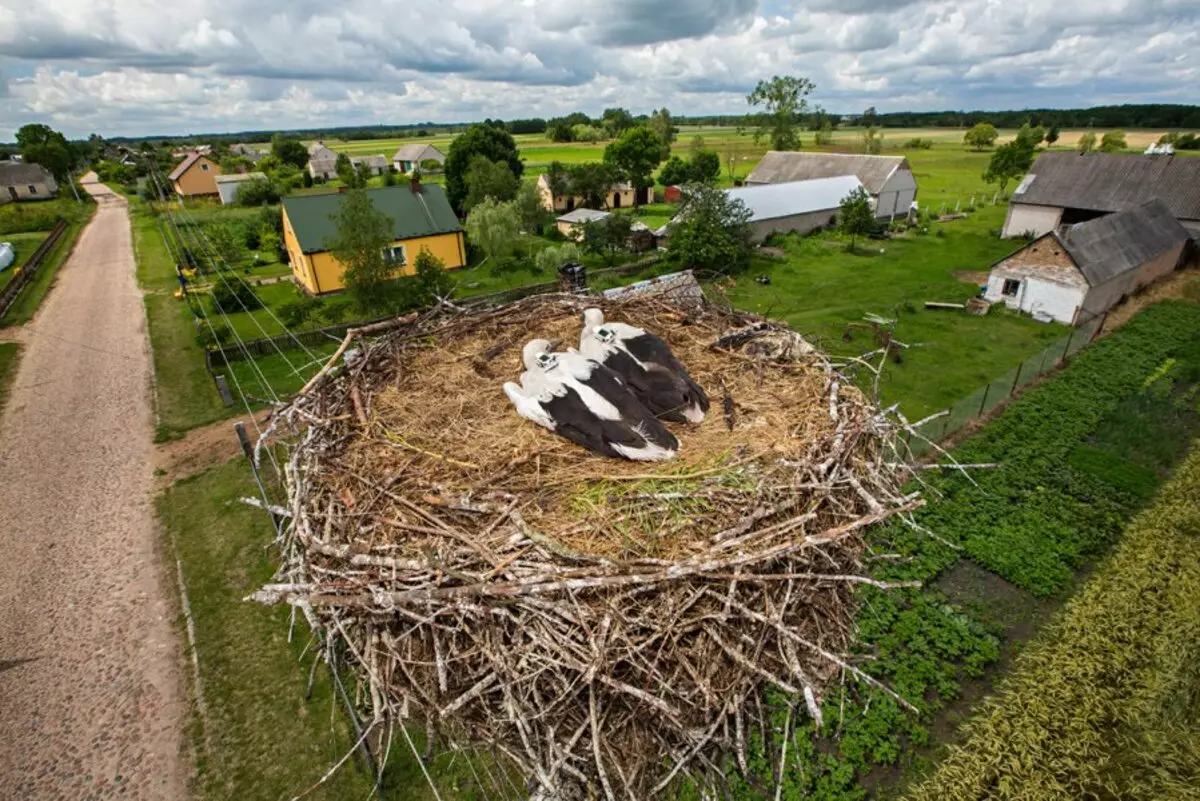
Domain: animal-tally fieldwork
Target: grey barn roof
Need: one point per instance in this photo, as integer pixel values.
(778, 167)
(1113, 182)
(18, 172)
(1108, 246)
(776, 201)
(583, 216)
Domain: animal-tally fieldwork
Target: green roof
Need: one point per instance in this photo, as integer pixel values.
(413, 215)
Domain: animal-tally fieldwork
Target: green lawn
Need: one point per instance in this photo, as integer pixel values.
(34, 292)
(821, 289)
(10, 354)
(264, 737)
(24, 246)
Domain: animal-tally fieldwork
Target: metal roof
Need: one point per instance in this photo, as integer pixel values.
(1113, 182)
(1108, 246)
(13, 173)
(772, 201)
(413, 214)
(378, 161)
(583, 216)
(778, 167)
(239, 177)
(418, 152)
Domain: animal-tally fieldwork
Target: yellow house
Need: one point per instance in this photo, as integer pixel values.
(195, 176)
(422, 219)
(619, 196)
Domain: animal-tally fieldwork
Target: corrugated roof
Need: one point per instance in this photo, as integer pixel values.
(778, 167)
(188, 161)
(417, 152)
(378, 161)
(1108, 246)
(772, 201)
(582, 216)
(19, 172)
(1113, 182)
(239, 177)
(413, 214)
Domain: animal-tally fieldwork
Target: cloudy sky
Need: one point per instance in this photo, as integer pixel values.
(138, 67)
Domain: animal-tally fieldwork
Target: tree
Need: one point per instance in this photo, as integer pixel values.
(478, 140)
(362, 173)
(559, 178)
(433, 282)
(1010, 161)
(1087, 142)
(855, 216)
(230, 294)
(1112, 141)
(362, 234)
(869, 118)
(824, 134)
(586, 133)
(607, 237)
(227, 241)
(289, 151)
(660, 122)
(872, 141)
(558, 131)
(616, 121)
(41, 144)
(345, 170)
(555, 256)
(783, 104)
(258, 192)
(636, 155)
(982, 135)
(592, 181)
(530, 211)
(712, 231)
(493, 228)
(1030, 137)
(486, 178)
(705, 166)
(676, 171)
(1052, 135)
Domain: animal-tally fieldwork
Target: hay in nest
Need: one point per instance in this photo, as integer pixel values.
(602, 623)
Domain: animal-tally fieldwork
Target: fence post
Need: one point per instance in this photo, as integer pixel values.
(1067, 349)
(983, 403)
(1016, 380)
(223, 388)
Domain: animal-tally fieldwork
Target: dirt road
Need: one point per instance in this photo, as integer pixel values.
(91, 690)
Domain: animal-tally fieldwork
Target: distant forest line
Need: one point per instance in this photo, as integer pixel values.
(1153, 116)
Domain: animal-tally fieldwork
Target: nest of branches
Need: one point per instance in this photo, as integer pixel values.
(606, 625)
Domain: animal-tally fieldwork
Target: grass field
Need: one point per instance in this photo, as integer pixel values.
(31, 297)
(24, 246)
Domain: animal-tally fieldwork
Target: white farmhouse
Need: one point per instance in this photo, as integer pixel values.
(1077, 274)
(888, 179)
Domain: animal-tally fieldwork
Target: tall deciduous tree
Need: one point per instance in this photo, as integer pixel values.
(712, 231)
(636, 155)
(855, 216)
(41, 144)
(616, 121)
(1009, 162)
(607, 237)
(486, 178)
(493, 228)
(362, 234)
(872, 141)
(1052, 135)
(1031, 136)
(1112, 141)
(289, 151)
(981, 135)
(432, 280)
(1087, 142)
(478, 140)
(530, 211)
(661, 123)
(782, 100)
(592, 181)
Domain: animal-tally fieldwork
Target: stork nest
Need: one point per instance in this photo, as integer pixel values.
(604, 624)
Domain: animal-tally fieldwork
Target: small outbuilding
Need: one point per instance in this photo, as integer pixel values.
(1080, 273)
(411, 157)
(571, 224)
(20, 181)
(888, 179)
(377, 164)
(228, 186)
(798, 206)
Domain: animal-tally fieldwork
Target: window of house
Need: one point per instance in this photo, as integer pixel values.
(1011, 287)
(395, 255)
(204, 167)
(32, 189)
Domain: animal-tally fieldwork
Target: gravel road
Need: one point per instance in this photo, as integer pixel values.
(91, 689)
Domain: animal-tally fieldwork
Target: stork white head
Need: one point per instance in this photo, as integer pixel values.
(537, 354)
(592, 319)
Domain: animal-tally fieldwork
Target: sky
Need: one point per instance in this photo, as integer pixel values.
(142, 67)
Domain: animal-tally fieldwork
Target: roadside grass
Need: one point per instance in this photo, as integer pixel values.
(41, 215)
(821, 290)
(31, 297)
(24, 246)
(10, 356)
(276, 375)
(264, 736)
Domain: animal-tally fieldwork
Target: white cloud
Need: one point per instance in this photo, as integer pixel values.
(147, 66)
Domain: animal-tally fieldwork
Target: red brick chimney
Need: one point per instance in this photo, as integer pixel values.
(414, 183)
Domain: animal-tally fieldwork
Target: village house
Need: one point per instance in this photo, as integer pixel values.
(1074, 274)
(246, 152)
(571, 224)
(228, 186)
(378, 164)
(1062, 189)
(888, 179)
(322, 162)
(620, 195)
(794, 207)
(411, 157)
(20, 181)
(195, 176)
(422, 219)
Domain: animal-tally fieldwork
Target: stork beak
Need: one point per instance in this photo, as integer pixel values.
(555, 343)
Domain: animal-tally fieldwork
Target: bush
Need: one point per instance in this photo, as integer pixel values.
(251, 236)
(230, 295)
(259, 192)
(271, 217)
(211, 336)
(333, 312)
(297, 312)
(918, 143)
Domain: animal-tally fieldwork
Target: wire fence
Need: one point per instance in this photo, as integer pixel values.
(987, 398)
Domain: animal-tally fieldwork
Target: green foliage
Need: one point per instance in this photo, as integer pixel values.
(230, 295)
(478, 140)
(1009, 162)
(981, 135)
(213, 335)
(702, 166)
(616, 121)
(432, 280)
(1030, 137)
(333, 312)
(551, 258)
(259, 192)
(872, 141)
(592, 181)
(296, 313)
(636, 155)
(489, 179)
(362, 234)
(855, 216)
(607, 237)
(530, 211)
(1112, 142)
(917, 143)
(1087, 142)
(660, 122)
(824, 132)
(493, 228)
(227, 240)
(783, 103)
(272, 217)
(712, 231)
(675, 171)
(41, 144)
(1052, 135)
(289, 151)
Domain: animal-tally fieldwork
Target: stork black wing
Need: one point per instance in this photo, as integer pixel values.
(612, 387)
(573, 420)
(650, 350)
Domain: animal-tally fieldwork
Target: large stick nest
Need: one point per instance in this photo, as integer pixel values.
(604, 624)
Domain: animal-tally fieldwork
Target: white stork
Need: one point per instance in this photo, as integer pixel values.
(588, 404)
(648, 366)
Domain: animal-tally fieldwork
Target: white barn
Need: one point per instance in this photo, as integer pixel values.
(888, 179)
(1088, 268)
(228, 186)
(796, 206)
